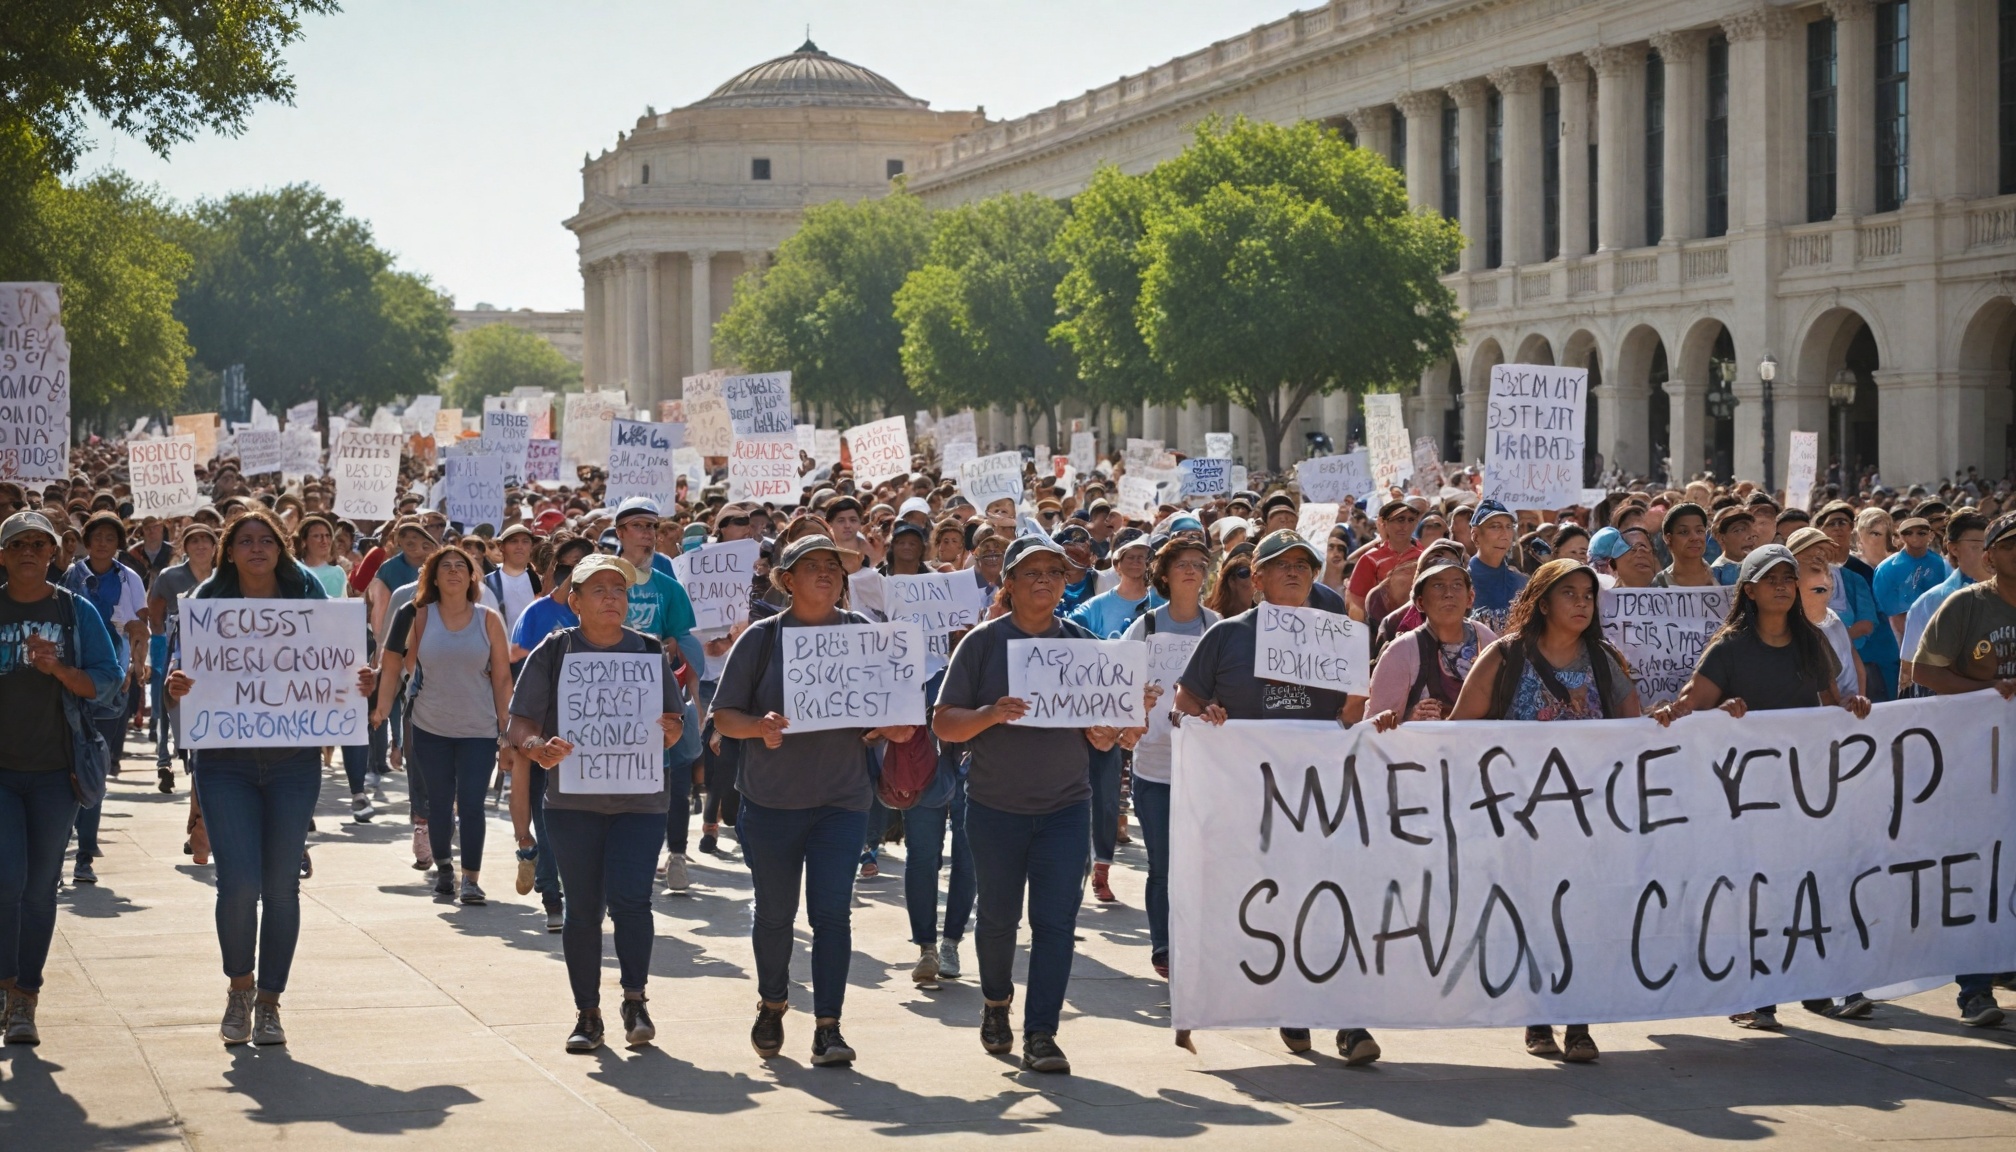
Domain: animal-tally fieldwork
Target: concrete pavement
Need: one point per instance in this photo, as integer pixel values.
(414, 1018)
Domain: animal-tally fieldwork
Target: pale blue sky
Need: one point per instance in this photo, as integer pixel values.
(456, 127)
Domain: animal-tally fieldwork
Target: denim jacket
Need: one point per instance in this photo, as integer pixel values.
(88, 646)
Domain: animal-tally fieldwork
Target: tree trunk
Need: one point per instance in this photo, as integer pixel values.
(1276, 418)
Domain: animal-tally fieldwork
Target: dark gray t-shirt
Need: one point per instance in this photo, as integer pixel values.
(1025, 771)
(171, 584)
(1221, 669)
(809, 769)
(533, 699)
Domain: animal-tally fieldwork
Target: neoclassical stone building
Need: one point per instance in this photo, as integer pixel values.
(690, 199)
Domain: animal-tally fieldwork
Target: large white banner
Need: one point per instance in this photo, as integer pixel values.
(365, 465)
(1386, 442)
(1344, 479)
(608, 710)
(1533, 435)
(1473, 874)
(878, 450)
(1071, 683)
(1802, 469)
(163, 474)
(854, 676)
(1661, 633)
(759, 405)
(273, 673)
(34, 384)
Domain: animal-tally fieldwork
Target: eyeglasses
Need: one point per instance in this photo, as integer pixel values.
(1191, 566)
(33, 544)
(734, 522)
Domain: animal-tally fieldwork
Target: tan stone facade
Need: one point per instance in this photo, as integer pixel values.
(560, 329)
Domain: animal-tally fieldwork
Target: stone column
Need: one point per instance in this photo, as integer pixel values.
(1854, 106)
(1191, 424)
(592, 319)
(1424, 135)
(1684, 190)
(1572, 73)
(1620, 73)
(1374, 126)
(616, 342)
(1765, 180)
(1687, 426)
(1525, 194)
(703, 309)
(1335, 420)
(651, 386)
(1468, 96)
(637, 316)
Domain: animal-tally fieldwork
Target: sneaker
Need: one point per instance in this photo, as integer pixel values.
(1579, 1046)
(1981, 1012)
(1856, 1007)
(528, 872)
(1356, 1046)
(996, 1034)
(829, 1048)
(266, 1027)
(237, 1025)
(1762, 1020)
(948, 959)
(17, 1017)
(925, 974)
(1540, 1041)
(587, 1034)
(444, 880)
(423, 849)
(361, 810)
(767, 1036)
(307, 865)
(1040, 1053)
(471, 894)
(166, 777)
(555, 921)
(84, 874)
(637, 1027)
(676, 879)
(1297, 1039)
(1100, 885)
(709, 843)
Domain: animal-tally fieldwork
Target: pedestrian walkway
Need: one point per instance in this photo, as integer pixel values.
(410, 1017)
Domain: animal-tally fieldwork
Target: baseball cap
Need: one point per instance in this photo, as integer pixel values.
(1762, 560)
(1608, 544)
(514, 530)
(1903, 526)
(1730, 515)
(21, 523)
(1437, 560)
(914, 504)
(1130, 538)
(804, 546)
(1806, 538)
(1487, 509)
(603, 562)
(550, 519)
(1023, 547)
(636, 506)
(1281, 542)
(2003, 525)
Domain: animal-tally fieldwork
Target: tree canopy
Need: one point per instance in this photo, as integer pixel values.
(496, 358)
(977, 316)
(824, 310)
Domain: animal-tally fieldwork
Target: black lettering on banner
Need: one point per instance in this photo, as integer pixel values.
(1312, 790)
(1947, 891)
(1807, 897)
(1911, 868)
(1707, 914)
(1348, 945)
(1897, 774)
(1855, 904)
(1394, 813)
(1835, 778)
(1492, 797)
(1569, 792)
(1731, 772)
(1637, 932)
(1757, 967)
(1431, 957)
(1646, 824)
(1483, 944)
(1995, 883)
(1610, 798)
(1280, 950)
(1559, 984)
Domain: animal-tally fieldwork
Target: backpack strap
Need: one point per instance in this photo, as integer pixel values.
(1511, 666)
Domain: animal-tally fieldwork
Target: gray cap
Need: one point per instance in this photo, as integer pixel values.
(1762, 560)
(804, 546)
(21, 523)
(1023, 547)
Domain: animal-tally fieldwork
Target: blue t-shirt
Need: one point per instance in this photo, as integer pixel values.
(396, 572)
(1726, 570)
(1108, 614)
(659, 607)
(1496, 588)
(1079, 593)
(663, 563)
(541, 619)
(1903, 578)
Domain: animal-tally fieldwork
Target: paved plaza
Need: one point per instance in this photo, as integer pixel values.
(412, 1018)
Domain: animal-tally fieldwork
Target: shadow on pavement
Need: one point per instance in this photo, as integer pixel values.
(284, 1091)
(40, 1116)
(650, 1075)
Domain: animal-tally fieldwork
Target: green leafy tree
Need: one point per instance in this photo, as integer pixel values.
(299, 293)
(824, 310)
(1100, 246)
(977, 316)
(496, 358)
(105, 242)
(1274, 263)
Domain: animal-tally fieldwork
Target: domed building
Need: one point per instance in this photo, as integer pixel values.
(690, 199)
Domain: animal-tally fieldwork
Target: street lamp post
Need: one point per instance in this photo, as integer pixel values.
(1767, 371)
(1841, 394)
(1722, 399)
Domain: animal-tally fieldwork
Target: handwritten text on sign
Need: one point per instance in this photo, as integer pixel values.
(1168, 655)
(472, 489)
(764, 468)
(853, 676)
(640, 461)
(1335, 479)
(1206, 475)
(990, 478)
(707, 425)
(879, 450)
(542, 460)
(506, 433)
(1386, 442)
(1313, 647)
(717, 578)
(273, 673)
(1490, 873)
(759, 405)
(940, 604)
(609, 707)
(1079, 683)
(1533, 435)
(164, 476)
(366, 468)
(34, 384)
(1661, 633)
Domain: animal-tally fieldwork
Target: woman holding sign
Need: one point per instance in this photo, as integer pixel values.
(1028, 808)
(257, 801)
(805, 800)
(605, 831)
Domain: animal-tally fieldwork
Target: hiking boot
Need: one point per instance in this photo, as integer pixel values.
(925, 974)
(237, 1025)
(1856, 1007)
(471, 894)
(1040, 1053)
(1981, 1011)
(1578, 1047)
(1100, 885)
(1540, 1041)
(1297, 1039)
(676, 877)
(767, 1036)
(84, 873)
(17, 1017)
(361, 810)
(1762, 1020)
(587, 1033)
(948, 959)
(829, 1048)
(165, 778)
(444, 880)
(528, 870)
(423, 850)
(710, 840)
(266, 1027)
(1356, 1046)
(997, 1036)
(637, 1026)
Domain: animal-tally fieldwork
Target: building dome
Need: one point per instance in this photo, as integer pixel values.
(809, 78)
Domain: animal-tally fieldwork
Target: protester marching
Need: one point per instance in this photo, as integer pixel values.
(1325, 705)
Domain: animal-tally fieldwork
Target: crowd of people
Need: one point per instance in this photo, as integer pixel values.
(1476, 612)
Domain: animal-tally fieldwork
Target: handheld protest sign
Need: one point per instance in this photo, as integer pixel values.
(853, 676)
(1313, 647)
(717, 579)
(1071, 683)
(1533, 436)
(273, 673)
(940, 604)
(609, 705)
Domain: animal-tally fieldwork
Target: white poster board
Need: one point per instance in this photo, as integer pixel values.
(954, 455)
(1314, 520)
(640, 461)
(163, 476)
(1206, 476)
(764, 469)
(1341, 479)
(542, 461)
(759, 404)
(707, 424)
(1084, 451)
(203, 426)
(826, 447)
(853, 676)
(472, 489)
(1427, 465)
(990, 478)
(940, 604)
(273, 673)
(506, 434)
(261, 450)
(1071, 683)
(878, 451)
(1168, 655)
(365, 466)
(1218, 444)
(1533, 428)
(1137, 498)
(1313, 647)
(1386, 443)
(584, 438)
(1661, 633)
(609, 706)
(717, 579)
(418, 418)
(34, 384)
(1802, 469)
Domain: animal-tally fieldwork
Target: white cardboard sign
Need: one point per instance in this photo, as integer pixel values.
(1313, 647)
(940, 604)
(759, 404)
(163, 476)
(878, 451)
(717, 578)
(990, 478)
(854, 676)
(365, 465)
(1341, 479)
(1386, 443)
(609, 706)
(273, 673)
(34, 384)
(764, 468)
(1069, 683)
(1533, 428)
(640, 461)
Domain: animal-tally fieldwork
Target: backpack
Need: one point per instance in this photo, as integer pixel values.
(908, 769)
(1428, 680)
(89, 757)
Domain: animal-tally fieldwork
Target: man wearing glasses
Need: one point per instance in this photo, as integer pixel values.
(1396, 545)
(1908, 572)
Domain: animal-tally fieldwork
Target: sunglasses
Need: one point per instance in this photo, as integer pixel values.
(735, 522)
(1241, 573)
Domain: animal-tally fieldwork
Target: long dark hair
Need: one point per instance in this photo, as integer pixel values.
(223, 584)
(1809, 644)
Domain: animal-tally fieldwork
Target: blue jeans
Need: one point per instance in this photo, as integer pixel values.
(1151, 805)
(458, 776)
(1045, 854)
(606, 863)
(356, 761)
(924, 848)
(680, 814)
(157, 693)
(821, 845)
(256, 806)
(36, 811)
(1105, 803)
